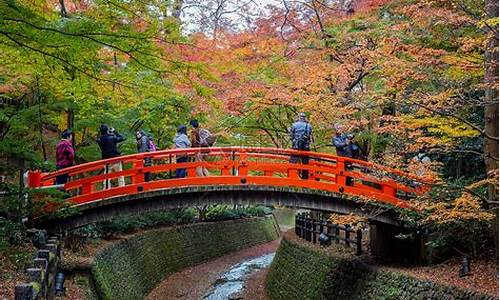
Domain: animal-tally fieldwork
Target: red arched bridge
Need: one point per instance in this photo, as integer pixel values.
(237, 175)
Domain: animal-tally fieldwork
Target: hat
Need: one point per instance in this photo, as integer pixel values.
(66, 133)
(182, 129)
(104, 129)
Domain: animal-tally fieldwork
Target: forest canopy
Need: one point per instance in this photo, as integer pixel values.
(402, 76)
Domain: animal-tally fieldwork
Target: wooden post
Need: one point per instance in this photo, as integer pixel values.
(170, 163)
(337, 233)
(314, 227)
(297, 231)
(340, 177)
(303, 226)
(234, 165)
(329, 229)
(308, 229)
(347, 235)
(359, 248)
(139, 174)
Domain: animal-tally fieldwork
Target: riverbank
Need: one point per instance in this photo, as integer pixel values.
(194, 282)
(131, 267)
(303, 270)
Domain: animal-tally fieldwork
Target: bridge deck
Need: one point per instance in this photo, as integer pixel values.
(236, 166)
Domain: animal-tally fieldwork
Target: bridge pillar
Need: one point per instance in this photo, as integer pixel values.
(390, 243)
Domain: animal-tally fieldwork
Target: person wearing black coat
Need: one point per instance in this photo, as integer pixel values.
(108, 141)
(143, 146)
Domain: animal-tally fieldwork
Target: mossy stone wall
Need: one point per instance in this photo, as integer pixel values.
(301, 272)
(131, 268)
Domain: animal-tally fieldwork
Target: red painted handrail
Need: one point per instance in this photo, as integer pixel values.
(237, 166)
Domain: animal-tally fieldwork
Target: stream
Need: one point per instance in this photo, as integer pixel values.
(233, 281)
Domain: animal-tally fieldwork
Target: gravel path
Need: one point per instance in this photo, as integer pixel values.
(196, 281)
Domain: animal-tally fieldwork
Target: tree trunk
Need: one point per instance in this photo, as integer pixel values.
(491, 93)
(40, 120)
(64, 13)
(491, 108)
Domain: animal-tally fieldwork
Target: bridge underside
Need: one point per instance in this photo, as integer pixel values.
(205, 195)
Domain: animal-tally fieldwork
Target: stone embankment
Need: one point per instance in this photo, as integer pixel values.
(305, 271)
(132, 267)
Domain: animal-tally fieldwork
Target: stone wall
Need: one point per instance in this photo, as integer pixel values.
(131, 268)
(42, 272)
(303, 272)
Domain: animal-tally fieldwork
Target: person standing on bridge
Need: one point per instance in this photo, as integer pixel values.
(300, 135)
(197, 141)
(143, 145)
(345, 147)
(181, 141)
(108, 140)
(342, 142)
(65, 155)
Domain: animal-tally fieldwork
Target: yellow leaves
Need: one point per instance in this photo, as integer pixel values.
(464, 66)
(355, 221)
(466, 207)
(491, 22)
(446, 129)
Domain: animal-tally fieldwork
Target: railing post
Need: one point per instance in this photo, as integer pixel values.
(297, 225)
(329, 229)
(87, 188)
(340, 177)
(170, 163)
(359, 248)
(242, 166)
(347, 229)
(303, 226)
(308, 229)
(389, 190)
(314, 226)
(138, 177)
(34, 179)
(293, 173)
(191, 171)
(234, 165)
(337, 233)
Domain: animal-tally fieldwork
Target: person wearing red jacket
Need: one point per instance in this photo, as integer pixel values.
(65, 155)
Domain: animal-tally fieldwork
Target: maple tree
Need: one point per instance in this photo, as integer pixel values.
(401, 75)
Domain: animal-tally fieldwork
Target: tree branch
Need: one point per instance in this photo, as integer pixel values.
(470, 124)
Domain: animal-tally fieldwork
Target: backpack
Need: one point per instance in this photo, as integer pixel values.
(207, 139)
(151, 145)
(302, 142)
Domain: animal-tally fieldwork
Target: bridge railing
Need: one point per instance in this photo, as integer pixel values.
(234, 166)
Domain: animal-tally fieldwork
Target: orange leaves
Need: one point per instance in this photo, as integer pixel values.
(355, 221)
(466, 207)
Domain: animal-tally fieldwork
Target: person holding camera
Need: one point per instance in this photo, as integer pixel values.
(345, 147)
(342, 142)
(108, 142)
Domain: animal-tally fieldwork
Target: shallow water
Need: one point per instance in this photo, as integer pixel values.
(233, 280)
